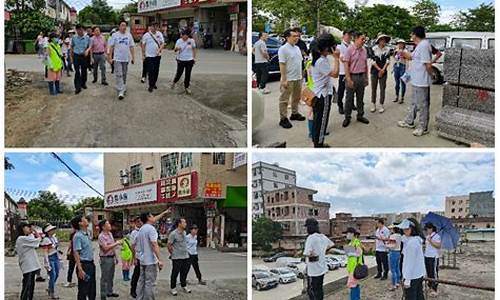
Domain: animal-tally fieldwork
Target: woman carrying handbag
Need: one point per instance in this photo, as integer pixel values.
(355, 263)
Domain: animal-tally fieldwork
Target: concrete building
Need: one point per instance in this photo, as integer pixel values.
(480, 235)
(463, 224)
(291, 206)
(268, 177)
(208, 189)
(482, 204)
(67, 14)
(220, 19)
(456, 207)
(342, 221)
(391, 218)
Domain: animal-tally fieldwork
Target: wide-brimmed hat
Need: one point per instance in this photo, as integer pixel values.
(400, 41)
(405, 224)
(383, 36)
(49, 227)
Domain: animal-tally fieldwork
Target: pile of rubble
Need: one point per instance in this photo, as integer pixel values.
(468, 113)
(14, 80)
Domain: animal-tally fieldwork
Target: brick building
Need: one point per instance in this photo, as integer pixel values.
(291, 206)
(339, 224)
(456, 207)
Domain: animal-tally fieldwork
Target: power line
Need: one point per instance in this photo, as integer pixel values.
(74, 173)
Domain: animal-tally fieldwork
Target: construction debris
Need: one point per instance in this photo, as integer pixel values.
(468, 113)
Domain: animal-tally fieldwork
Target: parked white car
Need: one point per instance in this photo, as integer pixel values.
(285, 275)
(341, 259)
(285, 261)
(299, 268)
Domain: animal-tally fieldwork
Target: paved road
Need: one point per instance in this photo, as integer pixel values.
(381, 132)
(291, 290)
(214, 116)
(225, 274)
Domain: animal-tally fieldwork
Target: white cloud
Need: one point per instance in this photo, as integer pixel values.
(387, 182)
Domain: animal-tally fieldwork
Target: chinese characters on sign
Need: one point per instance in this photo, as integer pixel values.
(239, 159)
(140, 194)
(168, 188)
(213, 190)
(150, 5)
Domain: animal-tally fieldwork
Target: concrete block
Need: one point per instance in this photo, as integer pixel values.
(478, 68)
(466, 126)
(476, 99)
(450, 94)
(451, 65)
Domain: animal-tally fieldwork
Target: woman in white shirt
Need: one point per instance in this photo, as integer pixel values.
(413, 263)
(394, 245)
(399, 69)
(50, 245)
(322, 72)
(432, 249)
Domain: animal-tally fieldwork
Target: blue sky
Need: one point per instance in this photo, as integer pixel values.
(41, 171)
(367, 183)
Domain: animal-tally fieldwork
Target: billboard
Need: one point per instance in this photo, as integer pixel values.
(178, 187)
(135, 195)
(151, 5)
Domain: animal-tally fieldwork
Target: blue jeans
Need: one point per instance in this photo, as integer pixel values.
(54, 271)
(399, 70)
(356, 293)
(394, 260)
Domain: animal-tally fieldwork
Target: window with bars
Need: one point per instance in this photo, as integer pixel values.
(219, 158)
(136, 174)
(169, 164)
(186, 160)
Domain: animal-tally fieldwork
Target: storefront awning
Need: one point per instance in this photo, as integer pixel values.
(236, 197)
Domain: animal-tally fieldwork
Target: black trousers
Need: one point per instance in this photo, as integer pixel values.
(28, 285)
(432, 268)
(87, 288)
(135, 279)
(80, 64)
(152, 69)
(188, 66)
(321, 110)
(382, 263)
(193, 262)
(416, 290)
(341, 91)
(262, 73)
(71, 269)
(144, 69)
(315, 287)
(179, 266)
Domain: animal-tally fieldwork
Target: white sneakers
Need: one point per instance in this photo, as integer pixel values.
(403, 124)
(381, 109)
(265, 91)
(374, 108)
(420, 132)
(188, 91)
(186, 289)
(174, 292)
(69, 284)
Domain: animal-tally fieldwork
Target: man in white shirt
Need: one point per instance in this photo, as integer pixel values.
(192, 248)
(261, 62)
(346, 41)
(316, 246)
(121, 52)
(152, 46)
(290, 59)
(382, 235)
(420, 77)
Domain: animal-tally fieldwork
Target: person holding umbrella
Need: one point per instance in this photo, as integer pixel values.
(413, 264)
(432, 248)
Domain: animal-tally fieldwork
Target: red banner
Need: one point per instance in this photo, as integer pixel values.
(213, 190)
(178, 187)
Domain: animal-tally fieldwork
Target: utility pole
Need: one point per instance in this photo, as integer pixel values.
(317, 18)
(58, 7)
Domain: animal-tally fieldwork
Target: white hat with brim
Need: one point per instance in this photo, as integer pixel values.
(49, 228)
(406, 224)
(383, 36)
(400, 41)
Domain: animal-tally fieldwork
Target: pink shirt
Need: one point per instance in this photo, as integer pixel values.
(98, 44)
(357, 59)
(106, 239)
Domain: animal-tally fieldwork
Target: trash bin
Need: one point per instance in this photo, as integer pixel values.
(29, 47)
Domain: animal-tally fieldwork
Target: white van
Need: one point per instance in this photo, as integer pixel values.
(463, 39)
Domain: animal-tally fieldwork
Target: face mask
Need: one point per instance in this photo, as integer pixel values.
(349, 236)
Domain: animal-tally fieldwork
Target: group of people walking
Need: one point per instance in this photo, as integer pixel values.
(82, 51)
(402, 249)
(354, 65)
(139, 250)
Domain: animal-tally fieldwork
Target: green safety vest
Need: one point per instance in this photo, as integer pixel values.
(55, 57)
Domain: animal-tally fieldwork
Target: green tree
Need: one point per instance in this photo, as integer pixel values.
(7, 164)
(47, 206)
(481, 18)
(426, 12)
(28, 18)
(130, 8)
(98, 13)
(265, 232)
(441, 28)
(96, 202)
(391, 20)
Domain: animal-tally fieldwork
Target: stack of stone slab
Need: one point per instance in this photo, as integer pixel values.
(468, 113)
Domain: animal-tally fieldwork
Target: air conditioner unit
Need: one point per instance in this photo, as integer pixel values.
(124, 180)
(123, 173)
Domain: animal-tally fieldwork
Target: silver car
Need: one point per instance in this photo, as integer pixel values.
(285, 275)
(264, 280)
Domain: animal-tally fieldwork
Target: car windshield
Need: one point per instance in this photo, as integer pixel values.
(491, 44)
(438, 43)
(261, 275)
(273, 43)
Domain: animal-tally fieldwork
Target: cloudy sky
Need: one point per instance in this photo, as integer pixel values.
(41, 171)
(448, 7)
(368, 183)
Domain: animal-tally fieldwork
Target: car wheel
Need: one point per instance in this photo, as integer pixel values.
(436, 76)
(258, 287)
(281, 281)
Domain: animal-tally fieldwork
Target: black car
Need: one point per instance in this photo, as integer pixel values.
(273, 46)
(274, 257)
